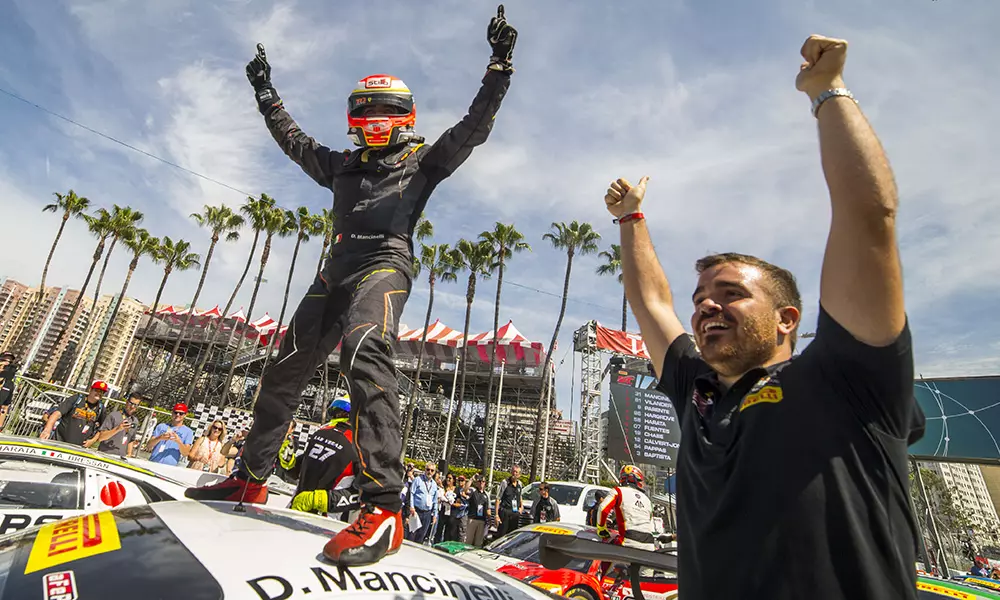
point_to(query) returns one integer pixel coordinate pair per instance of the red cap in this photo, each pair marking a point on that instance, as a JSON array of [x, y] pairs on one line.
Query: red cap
[[99, 385], [180, 407]]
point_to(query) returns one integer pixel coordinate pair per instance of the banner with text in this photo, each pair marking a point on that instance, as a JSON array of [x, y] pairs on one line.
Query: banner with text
[[642, 426]]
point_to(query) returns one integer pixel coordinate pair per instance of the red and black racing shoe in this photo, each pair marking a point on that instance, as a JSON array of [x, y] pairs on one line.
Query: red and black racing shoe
[[376, 533], [233, 489]]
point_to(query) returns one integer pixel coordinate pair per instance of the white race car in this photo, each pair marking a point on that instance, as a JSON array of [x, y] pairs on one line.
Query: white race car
[[196, 550], [45, 481]]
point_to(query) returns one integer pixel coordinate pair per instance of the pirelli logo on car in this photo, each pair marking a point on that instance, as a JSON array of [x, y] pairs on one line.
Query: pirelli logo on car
[[768, 393], [944, 591], [551, 529], [73, 539]]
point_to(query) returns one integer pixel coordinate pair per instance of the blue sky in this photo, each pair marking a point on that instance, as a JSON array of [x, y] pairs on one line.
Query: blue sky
[[698, 95]]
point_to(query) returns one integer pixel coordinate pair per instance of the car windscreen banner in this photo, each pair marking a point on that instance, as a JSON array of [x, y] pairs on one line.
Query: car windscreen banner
[[642, 426], [101, 555], [963, 419]]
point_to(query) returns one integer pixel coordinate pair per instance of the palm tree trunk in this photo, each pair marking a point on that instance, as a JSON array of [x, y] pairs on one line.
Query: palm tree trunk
[[114, 315], [79, 299], [264, 255], [187, 321], [420, 358], [624, 311], [545, 370], [222, 320], [52, 251], [488, 460], [281, 318], [469, 297], [322, 255], [100, 278], [137, 366]]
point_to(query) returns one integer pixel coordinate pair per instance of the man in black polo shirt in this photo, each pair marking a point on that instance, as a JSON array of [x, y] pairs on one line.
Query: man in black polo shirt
[[792, 472]]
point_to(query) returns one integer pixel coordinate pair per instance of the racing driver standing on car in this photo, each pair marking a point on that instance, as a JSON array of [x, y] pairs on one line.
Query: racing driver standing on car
[[380, 190], [632, 513]]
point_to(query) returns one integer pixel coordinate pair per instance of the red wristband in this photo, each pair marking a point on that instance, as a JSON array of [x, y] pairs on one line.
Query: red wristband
[[629, 217]]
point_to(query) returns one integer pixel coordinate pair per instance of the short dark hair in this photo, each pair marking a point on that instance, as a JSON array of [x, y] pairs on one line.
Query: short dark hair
[[543, 487], [783, 289]]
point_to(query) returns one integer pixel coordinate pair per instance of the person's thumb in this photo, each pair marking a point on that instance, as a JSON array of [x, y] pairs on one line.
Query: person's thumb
[[642, 183]]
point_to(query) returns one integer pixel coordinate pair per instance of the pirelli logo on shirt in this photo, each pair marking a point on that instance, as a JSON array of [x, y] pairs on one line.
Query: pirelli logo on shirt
[[73, 539], [768, 393]]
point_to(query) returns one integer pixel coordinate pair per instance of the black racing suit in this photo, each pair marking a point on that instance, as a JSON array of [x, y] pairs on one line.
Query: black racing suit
[[378, 195], [330, 463]]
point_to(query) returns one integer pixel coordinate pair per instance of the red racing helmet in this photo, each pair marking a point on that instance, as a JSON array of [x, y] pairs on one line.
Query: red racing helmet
[[631, 475], [394, 115]]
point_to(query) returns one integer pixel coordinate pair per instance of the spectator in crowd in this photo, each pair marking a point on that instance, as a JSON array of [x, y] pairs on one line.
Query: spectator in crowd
[[594, 509], [831, 500], [232, 450], [459, 511], [404, 497], [206, 454], [170, 442], [119, 433], [545, 508], [8, 374], [479, 513], [445, 500], [78, 416], [424, 493], [509, 505]]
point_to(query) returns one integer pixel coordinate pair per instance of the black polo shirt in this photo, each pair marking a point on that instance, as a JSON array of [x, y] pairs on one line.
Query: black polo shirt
[[794, 482]]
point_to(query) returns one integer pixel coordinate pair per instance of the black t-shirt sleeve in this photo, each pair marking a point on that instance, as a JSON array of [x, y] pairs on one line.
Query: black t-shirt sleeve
[[681, 365], [876, 381], [66, 407]]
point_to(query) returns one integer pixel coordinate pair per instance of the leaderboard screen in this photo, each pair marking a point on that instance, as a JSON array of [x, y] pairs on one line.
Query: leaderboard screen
[[642, 421]]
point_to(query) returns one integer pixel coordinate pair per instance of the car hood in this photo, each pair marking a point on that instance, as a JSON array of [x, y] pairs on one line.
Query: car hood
[[194, 549]]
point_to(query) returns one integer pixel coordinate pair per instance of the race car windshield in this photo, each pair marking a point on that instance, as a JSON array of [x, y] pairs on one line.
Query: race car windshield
[[567, 495], [523, 545]]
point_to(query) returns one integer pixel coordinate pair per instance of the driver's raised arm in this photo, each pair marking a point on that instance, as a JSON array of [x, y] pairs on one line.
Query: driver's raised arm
[[318, 161], [455, 145]]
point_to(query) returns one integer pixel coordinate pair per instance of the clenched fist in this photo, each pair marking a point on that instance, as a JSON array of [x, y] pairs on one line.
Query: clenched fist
[[823, 68], [624, 198]]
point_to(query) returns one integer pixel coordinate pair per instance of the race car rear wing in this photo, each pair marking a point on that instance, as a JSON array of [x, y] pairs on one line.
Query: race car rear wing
[[556, 551]]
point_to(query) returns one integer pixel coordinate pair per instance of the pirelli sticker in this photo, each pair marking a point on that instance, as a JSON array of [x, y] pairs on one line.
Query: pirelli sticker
[[73, 539], [768, 393], [551, 529], [947, 592]]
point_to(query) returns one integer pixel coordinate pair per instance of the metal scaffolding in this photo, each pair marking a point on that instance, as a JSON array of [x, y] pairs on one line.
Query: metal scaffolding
[[585, 342]]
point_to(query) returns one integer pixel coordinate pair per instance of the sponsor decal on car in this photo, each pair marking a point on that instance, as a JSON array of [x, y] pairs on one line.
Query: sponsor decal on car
[[426, 584], [59, 586], [30, 449], [983, 582], [73, 539], [551, 529], [944, 591], [17, 521]]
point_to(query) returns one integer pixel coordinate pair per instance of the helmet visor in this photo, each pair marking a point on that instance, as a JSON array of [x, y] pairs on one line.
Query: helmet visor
[[397, 104]]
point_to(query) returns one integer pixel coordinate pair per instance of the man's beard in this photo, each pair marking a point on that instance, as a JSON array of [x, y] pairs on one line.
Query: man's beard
[[754, 345]]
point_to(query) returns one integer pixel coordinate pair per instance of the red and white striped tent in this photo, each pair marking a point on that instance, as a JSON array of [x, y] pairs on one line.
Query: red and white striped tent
[[442, 341], [512, 347]]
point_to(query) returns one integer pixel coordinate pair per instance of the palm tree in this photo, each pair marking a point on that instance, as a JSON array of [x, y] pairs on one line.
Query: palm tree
[[141, 244], [254, 209], [613, 266], [273, 223], [306, 225], [221, 221], [100, 227], [504, 241], [174, 256], [477, 259], [436, 258], [328, 219], [575, 238], [71, 205]]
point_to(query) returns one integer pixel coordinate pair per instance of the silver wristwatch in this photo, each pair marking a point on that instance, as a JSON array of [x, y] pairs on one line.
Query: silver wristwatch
[[830, 94]]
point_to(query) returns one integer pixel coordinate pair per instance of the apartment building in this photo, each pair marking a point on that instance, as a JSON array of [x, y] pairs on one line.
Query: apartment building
[[118, 348], [14, 297], [969, 494]]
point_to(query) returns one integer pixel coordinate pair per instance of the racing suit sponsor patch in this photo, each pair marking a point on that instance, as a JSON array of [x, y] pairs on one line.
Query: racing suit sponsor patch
[[59, 586], [73, 539]]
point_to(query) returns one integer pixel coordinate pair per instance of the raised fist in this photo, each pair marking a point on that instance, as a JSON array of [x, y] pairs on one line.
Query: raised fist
[[823, 68], [258, 70], [623, 198], [502, 38]]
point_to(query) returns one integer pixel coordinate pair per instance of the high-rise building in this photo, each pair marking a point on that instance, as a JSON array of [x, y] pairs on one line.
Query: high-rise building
[[969, 494], [116, 353], [14, 297]]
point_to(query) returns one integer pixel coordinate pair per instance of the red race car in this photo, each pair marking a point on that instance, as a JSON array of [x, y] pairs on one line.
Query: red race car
[[517, 554]]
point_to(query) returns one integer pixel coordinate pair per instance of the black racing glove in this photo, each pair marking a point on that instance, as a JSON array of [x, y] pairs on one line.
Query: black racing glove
[[501, 37], [259, 74]]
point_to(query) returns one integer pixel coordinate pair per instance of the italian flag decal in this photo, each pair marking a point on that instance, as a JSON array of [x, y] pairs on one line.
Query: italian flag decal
[[48, 453]]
